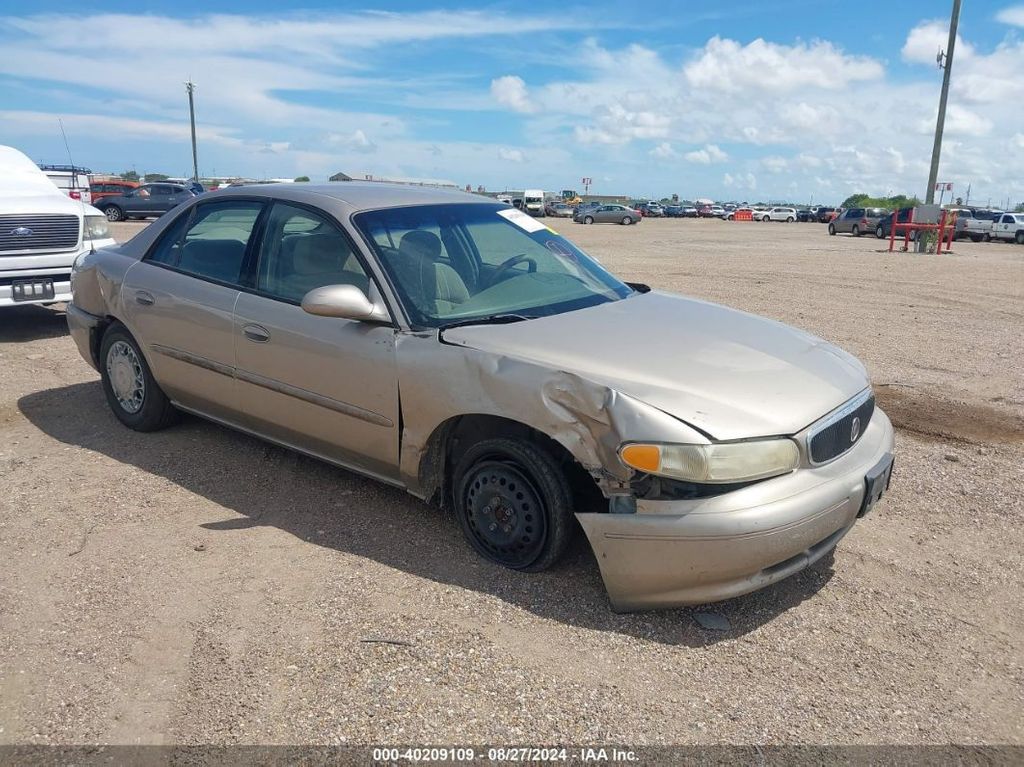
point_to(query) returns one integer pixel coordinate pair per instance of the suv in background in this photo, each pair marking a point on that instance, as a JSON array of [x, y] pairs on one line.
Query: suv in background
[[651, 209], [825, 213], [145, 201], [71, 180], [42, 232], [883, 228], [110, 188], [779, 214], [857, 221]]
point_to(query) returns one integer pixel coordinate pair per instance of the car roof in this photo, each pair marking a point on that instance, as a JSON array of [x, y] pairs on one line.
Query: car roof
[[364, 195]]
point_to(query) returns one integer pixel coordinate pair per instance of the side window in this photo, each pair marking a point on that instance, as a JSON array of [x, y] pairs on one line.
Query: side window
[[144, 191], [159, 190], [168, 247], [218, 234], [1007, 219], [301, 251]]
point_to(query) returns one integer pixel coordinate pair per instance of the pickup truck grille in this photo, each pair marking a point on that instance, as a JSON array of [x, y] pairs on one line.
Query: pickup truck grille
[[21, 234], [835, 437]]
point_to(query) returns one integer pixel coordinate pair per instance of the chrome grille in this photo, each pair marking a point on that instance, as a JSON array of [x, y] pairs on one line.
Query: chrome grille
[[842, 430], [31, 233]]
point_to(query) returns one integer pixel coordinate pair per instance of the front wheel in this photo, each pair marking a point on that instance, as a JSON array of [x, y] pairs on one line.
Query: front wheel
[[832, 229], [588, 219], [513, 504], [113, 213], [132, 392], [767, 218], [855, 231]]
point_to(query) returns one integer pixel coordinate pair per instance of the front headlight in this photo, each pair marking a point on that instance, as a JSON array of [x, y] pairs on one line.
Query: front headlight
[[97, 228], [719, 463]]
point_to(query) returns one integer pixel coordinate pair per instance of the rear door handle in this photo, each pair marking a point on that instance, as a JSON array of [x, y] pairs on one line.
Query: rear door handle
[[256, 333], [144, 298]]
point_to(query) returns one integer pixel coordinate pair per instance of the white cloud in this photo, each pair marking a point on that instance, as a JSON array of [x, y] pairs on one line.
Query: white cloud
[[663, 151], [510, 155], [727, 66], [356, 141], [1014, 15], [510, 91], [774, 163], [741, 181], [709, 154]]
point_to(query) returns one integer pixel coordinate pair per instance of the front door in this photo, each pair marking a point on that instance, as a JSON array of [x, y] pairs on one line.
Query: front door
[[325, 385], [179, 302]]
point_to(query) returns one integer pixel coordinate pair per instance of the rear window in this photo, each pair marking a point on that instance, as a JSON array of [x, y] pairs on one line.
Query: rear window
[[876, 212]]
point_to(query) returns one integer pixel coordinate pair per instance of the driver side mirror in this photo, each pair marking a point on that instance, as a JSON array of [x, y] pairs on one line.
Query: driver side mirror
[[343, 301]]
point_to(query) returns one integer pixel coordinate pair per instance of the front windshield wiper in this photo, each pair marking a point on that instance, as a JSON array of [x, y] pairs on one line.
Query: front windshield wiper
[[487, 319]]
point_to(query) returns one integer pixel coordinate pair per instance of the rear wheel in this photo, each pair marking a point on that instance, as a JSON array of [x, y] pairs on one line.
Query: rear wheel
[[588, 219], [832, 229], [626, 221], [132, 392], [790, 220], [513, 504], [113, 213], [1019, 238]]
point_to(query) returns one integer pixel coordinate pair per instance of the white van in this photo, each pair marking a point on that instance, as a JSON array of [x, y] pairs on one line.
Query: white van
[[42, 232], [533, 202], [73, 181]]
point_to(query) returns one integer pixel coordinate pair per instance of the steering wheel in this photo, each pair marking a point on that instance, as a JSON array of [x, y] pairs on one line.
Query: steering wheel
[[499, 273]]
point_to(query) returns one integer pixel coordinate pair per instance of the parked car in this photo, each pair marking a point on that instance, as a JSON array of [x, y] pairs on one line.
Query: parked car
[[42, 232], [558, 210], [102, 190], [805, 215], [883, 228], [856, 221], [651, 209], [674, 211], [717, 211], [732, 213], [71, 180], [1010, 226], [689, 211], [976, 225], [826, 214], [536, 391], [146, 201], [779, 214], [608, 214]]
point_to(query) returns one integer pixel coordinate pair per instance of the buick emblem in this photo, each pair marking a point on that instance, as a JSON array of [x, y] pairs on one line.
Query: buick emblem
[[854, 430], [21, 231]]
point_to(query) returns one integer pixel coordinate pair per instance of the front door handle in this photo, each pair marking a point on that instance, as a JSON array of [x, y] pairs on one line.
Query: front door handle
[[144, 298], [256, 333]]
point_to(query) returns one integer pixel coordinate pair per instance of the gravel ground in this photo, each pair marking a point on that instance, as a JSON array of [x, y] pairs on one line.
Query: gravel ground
[[199, 586]]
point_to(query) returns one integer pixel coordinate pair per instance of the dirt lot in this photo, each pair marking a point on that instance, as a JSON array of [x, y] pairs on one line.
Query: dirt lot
[[198, 586]]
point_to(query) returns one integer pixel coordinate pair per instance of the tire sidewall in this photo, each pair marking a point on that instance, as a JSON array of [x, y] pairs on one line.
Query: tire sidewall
[[118, 213], [588, 220], [154, 402]]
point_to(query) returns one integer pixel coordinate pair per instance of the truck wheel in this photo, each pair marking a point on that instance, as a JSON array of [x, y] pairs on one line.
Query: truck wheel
[[132, 392], [987, 237], [113, 213], [976, 238], [1019, 238], [514, 504], [832, 229]]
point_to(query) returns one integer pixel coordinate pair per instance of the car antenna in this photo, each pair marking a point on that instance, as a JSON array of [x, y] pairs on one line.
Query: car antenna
[[74, 176]]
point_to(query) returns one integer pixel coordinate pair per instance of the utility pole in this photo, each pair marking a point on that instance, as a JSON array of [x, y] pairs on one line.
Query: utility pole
[[947, 67], [190, 89]]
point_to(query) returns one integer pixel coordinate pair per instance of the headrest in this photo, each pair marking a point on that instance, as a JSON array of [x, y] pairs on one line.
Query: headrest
[[421, 243]]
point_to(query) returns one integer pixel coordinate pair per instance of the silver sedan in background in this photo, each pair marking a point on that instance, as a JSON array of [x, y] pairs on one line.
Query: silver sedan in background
[[462, 350], [608, 214]]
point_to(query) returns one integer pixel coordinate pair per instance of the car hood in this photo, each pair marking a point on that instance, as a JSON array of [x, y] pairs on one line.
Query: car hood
[[730, 374]]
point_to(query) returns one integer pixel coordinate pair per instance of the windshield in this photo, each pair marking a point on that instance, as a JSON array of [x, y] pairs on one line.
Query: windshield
[[462, 261]]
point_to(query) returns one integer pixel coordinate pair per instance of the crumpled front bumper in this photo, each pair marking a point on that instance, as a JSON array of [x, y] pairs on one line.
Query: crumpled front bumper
[[673, 553]]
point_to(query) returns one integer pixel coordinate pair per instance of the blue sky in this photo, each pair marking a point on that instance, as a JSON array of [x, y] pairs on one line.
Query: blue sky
[[745, 100]]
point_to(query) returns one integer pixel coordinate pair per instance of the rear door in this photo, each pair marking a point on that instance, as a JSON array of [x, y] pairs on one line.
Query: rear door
[[325, 385], [179, 302]]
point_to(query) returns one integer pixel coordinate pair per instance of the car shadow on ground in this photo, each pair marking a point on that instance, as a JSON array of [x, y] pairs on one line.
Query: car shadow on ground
[[21, 324], [333, 508]]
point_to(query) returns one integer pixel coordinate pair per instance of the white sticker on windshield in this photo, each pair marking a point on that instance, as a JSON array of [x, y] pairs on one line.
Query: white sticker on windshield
[[522, 220]]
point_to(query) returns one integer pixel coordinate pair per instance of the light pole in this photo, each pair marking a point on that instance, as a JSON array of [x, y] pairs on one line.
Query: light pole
[[190, 89], [947, 67]]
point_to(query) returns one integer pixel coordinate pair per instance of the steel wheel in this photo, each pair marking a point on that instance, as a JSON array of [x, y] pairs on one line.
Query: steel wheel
[[504, 513], [124, 370]]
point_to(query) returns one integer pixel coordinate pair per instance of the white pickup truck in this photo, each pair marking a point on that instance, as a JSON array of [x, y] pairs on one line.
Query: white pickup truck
[[976, 225], [42, 232], [1009, 226]]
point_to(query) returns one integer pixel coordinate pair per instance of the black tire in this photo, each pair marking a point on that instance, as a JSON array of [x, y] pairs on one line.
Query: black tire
[[588, 219], [626, 220], [148, 408], [766, 219], [879, 232], [790, 220], [513, 504], [913, 235], [1019, 238], [976, 238], [987, 237], [832, 229], [113, 213], [855, 231]]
